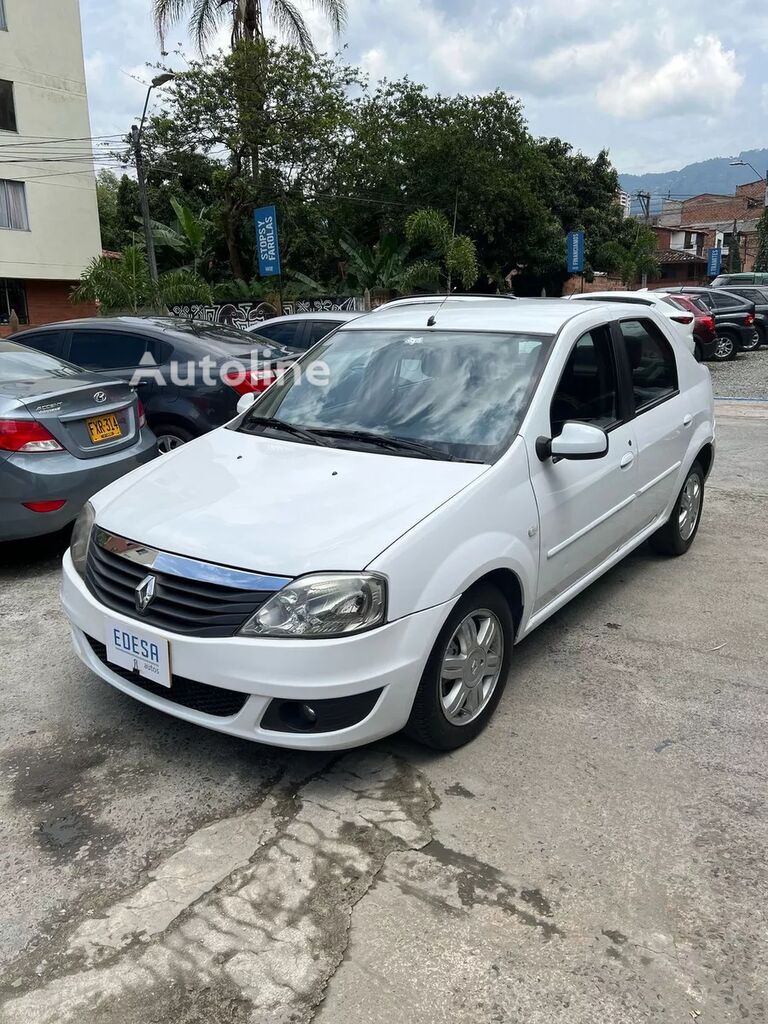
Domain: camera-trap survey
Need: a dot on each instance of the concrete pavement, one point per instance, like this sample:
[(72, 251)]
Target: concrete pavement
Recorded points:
[(598, 854)]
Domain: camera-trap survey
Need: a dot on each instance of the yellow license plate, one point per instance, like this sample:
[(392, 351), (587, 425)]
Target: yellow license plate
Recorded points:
[(104, 428)]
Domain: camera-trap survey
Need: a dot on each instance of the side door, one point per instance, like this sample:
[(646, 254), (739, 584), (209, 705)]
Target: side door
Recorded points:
[(662, 421), (585, 506)]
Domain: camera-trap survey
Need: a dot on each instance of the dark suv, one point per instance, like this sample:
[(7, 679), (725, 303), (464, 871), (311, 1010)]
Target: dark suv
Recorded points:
[(734, 318), (760, 298), (185, 387)]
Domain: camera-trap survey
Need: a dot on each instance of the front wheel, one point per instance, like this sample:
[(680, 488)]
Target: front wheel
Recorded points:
[(170, 436), (725, 348), (679, 531), (466, 673)]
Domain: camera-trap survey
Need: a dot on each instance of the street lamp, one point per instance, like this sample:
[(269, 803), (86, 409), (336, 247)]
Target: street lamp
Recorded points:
[(746, 163), (136, 132)]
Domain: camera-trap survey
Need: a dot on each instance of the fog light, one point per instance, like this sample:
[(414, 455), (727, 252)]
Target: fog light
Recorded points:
[(308, 714)]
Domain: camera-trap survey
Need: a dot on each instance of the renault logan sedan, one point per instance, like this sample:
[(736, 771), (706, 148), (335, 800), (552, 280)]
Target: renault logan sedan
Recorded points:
[(360, 550)]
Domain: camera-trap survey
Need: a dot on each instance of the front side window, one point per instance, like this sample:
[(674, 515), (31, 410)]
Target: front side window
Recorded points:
[(588, 391), (13, 299), (318, 330), (106, 350), (462, 393), (13, 206), (651, 362), (283, 334), (7, 107)]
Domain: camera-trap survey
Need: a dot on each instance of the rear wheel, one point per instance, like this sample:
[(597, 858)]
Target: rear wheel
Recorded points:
[(169, 436), (679, 531), (753, 343), (725, 348), (466, 673)]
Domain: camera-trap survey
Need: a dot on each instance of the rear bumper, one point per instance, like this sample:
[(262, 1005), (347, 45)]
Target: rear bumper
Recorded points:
[(390, 659), (55, 476)]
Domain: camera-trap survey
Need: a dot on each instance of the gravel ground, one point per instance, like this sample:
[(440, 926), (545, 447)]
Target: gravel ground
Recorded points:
[(744, 377)]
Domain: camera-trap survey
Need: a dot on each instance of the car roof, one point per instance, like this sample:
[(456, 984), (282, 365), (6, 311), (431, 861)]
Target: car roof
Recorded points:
[(618, 296), (524, 316), (158, 325), (334, 315)]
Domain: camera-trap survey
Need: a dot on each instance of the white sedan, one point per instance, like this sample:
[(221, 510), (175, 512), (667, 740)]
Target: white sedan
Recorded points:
[(360, 550), (659, 301)]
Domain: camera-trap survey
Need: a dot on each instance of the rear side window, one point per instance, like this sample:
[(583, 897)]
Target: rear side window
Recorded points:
[(49, 341), (725, 301), (161, 351), (587, 391), (651, 362), (106, 350)]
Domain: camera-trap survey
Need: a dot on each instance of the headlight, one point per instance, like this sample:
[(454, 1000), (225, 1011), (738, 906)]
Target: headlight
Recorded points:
[(81, 534), (324, 605)]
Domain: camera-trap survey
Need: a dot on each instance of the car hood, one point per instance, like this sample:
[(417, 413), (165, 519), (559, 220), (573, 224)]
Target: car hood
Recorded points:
[(277, 506)]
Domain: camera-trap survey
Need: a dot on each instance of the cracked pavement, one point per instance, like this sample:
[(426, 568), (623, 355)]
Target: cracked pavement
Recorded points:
[(598, 854)]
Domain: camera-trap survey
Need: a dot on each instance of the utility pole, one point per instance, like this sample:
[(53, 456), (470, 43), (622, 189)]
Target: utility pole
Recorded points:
[(645, 203), (148, 237)]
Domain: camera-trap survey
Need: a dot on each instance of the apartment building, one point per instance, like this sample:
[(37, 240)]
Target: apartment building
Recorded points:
[(49, 223)]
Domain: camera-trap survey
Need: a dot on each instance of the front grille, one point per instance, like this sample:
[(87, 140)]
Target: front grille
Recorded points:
[(210, 700), (181, 605)]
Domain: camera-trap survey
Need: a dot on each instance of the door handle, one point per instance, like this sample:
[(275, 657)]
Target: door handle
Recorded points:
[(687, 420), (627, 460)]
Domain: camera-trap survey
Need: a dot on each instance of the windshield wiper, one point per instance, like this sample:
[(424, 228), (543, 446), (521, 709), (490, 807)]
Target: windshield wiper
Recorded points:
[(385, 441), (269, 422)]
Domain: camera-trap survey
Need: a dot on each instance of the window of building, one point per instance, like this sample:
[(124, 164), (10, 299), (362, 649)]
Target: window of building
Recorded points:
[(3, 19), (587, 391), (13, 298), (651, 361), (106, 350), (13, 206), (7, 107)]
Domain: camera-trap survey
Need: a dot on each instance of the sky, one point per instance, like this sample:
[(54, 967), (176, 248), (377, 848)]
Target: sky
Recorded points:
[(660, 85)]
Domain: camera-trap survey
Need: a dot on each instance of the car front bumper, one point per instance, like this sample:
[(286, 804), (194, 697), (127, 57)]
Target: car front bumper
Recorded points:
[(56, 476), (390, 659)]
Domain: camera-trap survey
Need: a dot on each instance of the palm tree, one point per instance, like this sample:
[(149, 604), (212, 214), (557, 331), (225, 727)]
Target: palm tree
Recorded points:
[(246, 18)]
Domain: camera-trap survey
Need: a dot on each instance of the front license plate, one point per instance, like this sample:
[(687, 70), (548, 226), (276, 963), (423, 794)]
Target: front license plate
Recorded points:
[(140, 652), (103, 428)]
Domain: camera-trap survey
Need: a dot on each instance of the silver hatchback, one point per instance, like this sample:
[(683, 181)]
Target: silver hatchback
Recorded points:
[(64, 435)]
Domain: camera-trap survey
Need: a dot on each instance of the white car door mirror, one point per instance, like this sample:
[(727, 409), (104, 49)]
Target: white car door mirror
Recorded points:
[(576, 441), (245, 402)]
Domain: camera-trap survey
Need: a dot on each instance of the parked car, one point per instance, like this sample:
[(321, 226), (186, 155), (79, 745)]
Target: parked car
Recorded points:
[(723, 280), (704, 332), (760, 298), (302, 330), (179, 405), (734, 318), (64, 434), (349, 558), (682, 318)]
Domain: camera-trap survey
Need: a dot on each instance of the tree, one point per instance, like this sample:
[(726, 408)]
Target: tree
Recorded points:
[(124, 285), (246, 18), (450, 257), (113, 232), (761, 257), (189, 238), (382, 265)]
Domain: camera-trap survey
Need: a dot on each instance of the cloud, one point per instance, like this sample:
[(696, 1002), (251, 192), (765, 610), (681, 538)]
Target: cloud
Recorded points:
[(701, 80)]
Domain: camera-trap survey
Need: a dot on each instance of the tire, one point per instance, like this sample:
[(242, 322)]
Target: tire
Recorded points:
[(754, 343), (429, 722), (725, 348), (674, 537), (170, 436)]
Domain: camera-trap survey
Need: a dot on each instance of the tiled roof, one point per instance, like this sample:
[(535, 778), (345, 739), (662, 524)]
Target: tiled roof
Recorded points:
[(677, 256)]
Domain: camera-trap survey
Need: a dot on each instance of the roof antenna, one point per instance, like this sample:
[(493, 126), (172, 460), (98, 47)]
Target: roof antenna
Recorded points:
[(433, 317)]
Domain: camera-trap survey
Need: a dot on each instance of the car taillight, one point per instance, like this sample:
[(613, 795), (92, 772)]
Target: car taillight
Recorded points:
[(708, 322), (142, 415), (45, 506), (249, 382), (749, 319), (26, 436)]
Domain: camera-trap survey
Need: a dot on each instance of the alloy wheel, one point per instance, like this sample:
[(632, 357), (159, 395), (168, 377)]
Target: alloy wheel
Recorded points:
[(471, 667), (724, 347), (168, 442)]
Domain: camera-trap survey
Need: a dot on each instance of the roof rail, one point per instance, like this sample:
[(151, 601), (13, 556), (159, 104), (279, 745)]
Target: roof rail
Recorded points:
[(414, 300)]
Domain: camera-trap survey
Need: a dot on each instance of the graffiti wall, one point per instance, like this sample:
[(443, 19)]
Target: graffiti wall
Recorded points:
[(244, 314)]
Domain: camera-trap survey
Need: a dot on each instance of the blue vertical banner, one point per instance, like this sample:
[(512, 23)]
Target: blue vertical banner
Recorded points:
[(267, 243), (714, 261), (576, 252)]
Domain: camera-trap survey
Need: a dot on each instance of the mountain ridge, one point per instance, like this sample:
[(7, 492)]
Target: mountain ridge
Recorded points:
[(714, 175)]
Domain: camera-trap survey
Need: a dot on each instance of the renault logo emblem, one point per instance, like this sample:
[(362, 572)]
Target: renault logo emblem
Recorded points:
[(100, 396), (144, 594)]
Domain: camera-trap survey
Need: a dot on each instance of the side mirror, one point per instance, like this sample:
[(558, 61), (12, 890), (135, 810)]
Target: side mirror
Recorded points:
[(245, 402), (575, 441)]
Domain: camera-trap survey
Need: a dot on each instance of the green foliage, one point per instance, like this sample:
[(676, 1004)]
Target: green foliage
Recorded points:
[(449, 258), (378, 266), (113, 233), (124, 285), (761, 258), (190, 238)]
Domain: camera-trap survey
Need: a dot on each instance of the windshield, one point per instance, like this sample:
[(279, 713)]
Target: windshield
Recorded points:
[(461, 393), (17, 364)]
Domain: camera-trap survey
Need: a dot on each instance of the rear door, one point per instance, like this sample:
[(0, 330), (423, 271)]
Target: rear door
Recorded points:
[(662, 422), (585, 507)]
